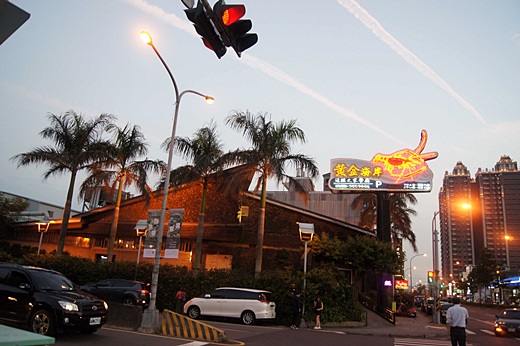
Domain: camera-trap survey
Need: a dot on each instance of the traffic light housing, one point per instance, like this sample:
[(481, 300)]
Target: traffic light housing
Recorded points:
[(205, 28), (234, 30), (431, 276)]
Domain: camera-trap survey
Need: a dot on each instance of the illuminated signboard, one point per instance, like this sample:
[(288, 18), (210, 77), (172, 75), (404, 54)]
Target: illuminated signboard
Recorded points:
[(401, 284), (402, 171)]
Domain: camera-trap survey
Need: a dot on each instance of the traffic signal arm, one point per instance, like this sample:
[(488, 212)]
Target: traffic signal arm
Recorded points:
[(205, 28)]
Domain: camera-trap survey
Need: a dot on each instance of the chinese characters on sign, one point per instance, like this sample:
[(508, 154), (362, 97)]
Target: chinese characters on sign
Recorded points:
[(401, 284), (173, 235), (150, 242), (404, 171)]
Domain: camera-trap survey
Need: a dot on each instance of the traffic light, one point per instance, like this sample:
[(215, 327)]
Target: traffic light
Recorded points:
[(234, 30), (205, 28), (430, 277)]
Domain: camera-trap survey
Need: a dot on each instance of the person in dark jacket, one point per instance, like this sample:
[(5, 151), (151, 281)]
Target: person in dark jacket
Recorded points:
[(296, 310)]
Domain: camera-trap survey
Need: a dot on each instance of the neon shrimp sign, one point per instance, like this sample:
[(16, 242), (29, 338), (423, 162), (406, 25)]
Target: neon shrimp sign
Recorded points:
[(402, 171)]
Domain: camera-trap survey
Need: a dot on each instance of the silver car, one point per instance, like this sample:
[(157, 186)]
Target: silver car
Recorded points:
[(246, 304)]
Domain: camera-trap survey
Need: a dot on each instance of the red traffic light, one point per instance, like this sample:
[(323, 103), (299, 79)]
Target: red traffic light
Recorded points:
[(232, 13)]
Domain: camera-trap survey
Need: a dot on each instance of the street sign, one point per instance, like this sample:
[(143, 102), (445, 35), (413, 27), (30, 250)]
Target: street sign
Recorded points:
[(11, 18)]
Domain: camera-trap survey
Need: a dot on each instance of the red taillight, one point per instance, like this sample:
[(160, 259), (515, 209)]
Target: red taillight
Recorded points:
[(263, 299)]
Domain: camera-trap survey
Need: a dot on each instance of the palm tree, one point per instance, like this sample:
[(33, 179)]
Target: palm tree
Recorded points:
[(205, 151), (268, 156), (77, 144), (401, 224), (122, 170)]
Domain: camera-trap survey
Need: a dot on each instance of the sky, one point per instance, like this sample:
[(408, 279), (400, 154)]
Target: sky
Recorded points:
[(360, 77)]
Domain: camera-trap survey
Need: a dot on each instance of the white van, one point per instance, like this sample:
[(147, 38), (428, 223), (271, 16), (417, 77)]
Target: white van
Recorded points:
[(244, 303)]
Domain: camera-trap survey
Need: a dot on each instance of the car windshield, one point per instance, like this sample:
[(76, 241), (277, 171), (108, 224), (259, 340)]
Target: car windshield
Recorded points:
[(48, 281), (511, 314)]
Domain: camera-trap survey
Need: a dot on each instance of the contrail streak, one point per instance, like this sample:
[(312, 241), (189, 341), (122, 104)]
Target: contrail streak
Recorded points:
[(377, 29), (262, 66)]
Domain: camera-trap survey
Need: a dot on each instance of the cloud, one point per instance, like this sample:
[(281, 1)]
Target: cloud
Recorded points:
[(377, 29)]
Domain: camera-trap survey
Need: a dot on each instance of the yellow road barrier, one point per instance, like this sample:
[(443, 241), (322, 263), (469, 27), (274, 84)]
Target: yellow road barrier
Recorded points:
[(179, 325)]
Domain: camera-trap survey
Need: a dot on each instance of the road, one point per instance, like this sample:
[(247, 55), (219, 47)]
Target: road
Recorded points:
[(480, 333)]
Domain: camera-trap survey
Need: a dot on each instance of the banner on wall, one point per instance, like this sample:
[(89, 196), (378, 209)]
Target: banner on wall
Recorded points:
[(173, 235), (154, 231)]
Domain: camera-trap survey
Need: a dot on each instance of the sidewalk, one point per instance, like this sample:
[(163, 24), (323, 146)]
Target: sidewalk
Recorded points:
[(405, 327)]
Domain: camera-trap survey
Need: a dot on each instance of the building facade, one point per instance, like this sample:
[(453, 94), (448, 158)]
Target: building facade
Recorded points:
[(477, 213), (228, 241)]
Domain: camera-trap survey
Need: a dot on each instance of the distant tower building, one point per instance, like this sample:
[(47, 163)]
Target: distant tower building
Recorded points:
[(456, 228), (499, 192), (493, 212)]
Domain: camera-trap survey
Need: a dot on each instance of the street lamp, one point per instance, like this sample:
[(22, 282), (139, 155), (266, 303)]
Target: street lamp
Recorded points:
[(411, 281), (140, 230), (42, 230), (435, 240), (507, 238), (306, 234), (150, 322)]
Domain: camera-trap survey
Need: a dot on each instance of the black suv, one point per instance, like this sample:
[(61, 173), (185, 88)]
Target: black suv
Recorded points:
[(120, 291), (45, 301)]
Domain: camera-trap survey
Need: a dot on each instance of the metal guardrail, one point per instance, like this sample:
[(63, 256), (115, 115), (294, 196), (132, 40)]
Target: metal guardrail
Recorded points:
[(371, 304)]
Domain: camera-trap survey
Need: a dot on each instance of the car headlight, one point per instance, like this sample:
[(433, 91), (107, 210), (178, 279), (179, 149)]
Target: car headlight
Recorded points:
[(105, 304), (69, 306)]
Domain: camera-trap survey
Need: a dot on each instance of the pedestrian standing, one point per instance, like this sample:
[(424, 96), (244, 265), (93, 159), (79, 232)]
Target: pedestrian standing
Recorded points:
[(318, 309), (457, 318), (181, 300), (296, 310)]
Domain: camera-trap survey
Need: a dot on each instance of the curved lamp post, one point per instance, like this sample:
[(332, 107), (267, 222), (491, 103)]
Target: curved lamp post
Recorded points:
[(411, 269), (151, 315)]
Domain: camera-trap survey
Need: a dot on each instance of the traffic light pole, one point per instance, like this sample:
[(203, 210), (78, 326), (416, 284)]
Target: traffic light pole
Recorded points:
[(435, 285)]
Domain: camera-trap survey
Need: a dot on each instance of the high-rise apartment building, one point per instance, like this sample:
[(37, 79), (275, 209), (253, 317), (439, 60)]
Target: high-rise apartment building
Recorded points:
[(479, 213)]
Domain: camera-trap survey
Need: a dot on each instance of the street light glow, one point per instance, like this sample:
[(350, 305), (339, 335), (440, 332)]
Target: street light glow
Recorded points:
[(146, 37)]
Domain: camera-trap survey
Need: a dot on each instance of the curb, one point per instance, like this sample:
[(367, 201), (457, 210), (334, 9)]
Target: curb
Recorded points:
[(173, 324)]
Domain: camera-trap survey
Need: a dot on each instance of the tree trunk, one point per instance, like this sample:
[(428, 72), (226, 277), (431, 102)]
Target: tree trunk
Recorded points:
[(200, 233), (66, 213), (260, 233), (115, 221)]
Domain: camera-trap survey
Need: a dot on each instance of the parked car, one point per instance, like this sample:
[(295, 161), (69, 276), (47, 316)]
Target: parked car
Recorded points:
[(45, 301), (120, 291), (443, 310), (247, 304), (508, 322), (418, 301), (428, 306)]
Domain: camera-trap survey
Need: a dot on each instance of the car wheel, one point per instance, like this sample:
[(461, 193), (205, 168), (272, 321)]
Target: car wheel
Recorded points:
[(41, 322), (248, 317), (128, 301), (194, 312)]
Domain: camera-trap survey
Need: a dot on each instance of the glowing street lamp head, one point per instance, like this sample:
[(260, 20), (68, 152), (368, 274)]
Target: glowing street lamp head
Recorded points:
[(209, 100), (146, 38)]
